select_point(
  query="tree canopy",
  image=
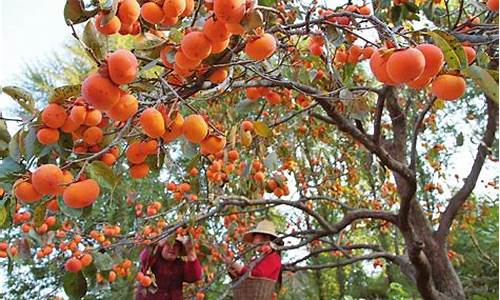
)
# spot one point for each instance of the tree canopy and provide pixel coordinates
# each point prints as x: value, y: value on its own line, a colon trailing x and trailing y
x: 360, y: 129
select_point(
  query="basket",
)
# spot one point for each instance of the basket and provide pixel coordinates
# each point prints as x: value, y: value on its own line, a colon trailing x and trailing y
x: 254, y: 289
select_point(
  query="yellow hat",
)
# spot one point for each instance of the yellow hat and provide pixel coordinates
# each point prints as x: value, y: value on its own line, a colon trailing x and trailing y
x: 264, y: 227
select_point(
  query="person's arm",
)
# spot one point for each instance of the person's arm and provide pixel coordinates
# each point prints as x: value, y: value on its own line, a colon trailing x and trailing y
x: 233, y: 268
x: 192, y: 267
x: 192, y: 271
x: 145, y: 257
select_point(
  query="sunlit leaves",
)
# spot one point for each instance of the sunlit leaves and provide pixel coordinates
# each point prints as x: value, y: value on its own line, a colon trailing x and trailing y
x: 484, y: 80
x: 453, y: 51
x: 22, y: 97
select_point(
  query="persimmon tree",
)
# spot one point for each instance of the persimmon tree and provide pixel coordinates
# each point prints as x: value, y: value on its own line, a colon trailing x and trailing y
x: 206, y: 116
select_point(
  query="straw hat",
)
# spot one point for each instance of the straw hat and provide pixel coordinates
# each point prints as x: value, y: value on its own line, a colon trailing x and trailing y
x: 264, y: 227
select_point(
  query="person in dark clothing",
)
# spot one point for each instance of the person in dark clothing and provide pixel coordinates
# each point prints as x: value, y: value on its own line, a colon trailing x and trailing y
x: 170, y: 270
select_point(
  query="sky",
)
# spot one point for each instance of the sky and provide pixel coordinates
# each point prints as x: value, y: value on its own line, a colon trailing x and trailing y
x: 30, y: 30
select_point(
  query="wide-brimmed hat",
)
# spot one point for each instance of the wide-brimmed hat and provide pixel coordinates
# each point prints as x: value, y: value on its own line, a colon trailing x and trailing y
x: 264, y: 227
x: 180, y: 240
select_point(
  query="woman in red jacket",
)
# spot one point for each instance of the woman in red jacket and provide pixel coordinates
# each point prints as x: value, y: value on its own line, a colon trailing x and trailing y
x: 267, y: 267
x: 169, y: 269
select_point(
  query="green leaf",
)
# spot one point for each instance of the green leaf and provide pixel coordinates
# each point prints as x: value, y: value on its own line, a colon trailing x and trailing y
x: 73, y: 12
x: 16, y: 146
x: 112, y: 7
x: 247, y: 106
x: 484, y: 80
x: 145, y: 41
x: 31, y: 143
x: 103, y: 261
x: 396, y: 13
x: 22, y: 97
x: 267, y: 2
x: 412, y: 7
x: 75, y: 285
x: 193, y: 162
x: 104, y: 175
x: 452, y: 49
x: 175, y: 35
x: 59, y: 94
x: 151, y: 64
x: 39, y: 214
x: 68, y: 211
x: 8, y: 166
x: 4, y: 136
x: 94, y: 40
x: 262, y: 129
x: 252, y: 19
x: 460, y: 139
x: 89, y: 272
x: 3, y: 216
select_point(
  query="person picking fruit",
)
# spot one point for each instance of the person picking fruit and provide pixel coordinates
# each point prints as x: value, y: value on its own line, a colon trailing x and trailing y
x: 165, y: 264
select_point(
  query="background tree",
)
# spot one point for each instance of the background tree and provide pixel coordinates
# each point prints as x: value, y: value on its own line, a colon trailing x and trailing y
x: 227, y: 112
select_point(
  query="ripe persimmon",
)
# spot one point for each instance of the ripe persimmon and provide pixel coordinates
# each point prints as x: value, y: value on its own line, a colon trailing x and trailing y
x: 47, y: 178
x: 405, y: 65
x: 112, y: 27
x: 470, y: 53
x: 189, y: 8
x: 54, y: 116
x: 86, y: 258
x: 149, y: 147
x: 173, y: 127
x: 101, y: 92
x: 378, y: 62
x: 134, y: 153
x: 93, y: 117
x: 93, y: 135
x: 69, y: 126
x: 129, y: 11
x: 73, y: 265
x: 218, y: 47
x: 261, y: 47
x: 47, y: 136
x: 122, y: 66
x: 492, y: 5
x: 213, y: 144
x: 108, y: 158
x: 434, y: 59
x: 229, y: 11
x: 25, y: 192
x: 235, y: 28
x: 448, y: 87
x: 195, y: 128
x: 218, y: 76
x: 152, y: 13
x: 184, y: 62
x: 215, y: 30
x: 173, y: 8
x: 81, y: 194
x: 125, y: 108
x: 169, y: 21
x: 196, y: 46
x: 78, y: 114
x: 139, y: 171
x: 152, y: 122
